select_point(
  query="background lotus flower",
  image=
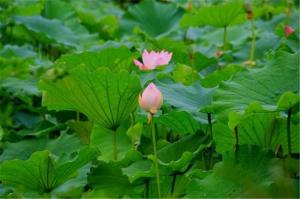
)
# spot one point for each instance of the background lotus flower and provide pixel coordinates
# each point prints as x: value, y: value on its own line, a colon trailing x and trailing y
x: 153, y: 59
x: 288, y: 30
x: 151, y: 99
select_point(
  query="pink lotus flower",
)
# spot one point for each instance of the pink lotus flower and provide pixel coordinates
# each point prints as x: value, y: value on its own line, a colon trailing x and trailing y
x: 153, y: 59
x: 288, y: 30
x: 151, y: 99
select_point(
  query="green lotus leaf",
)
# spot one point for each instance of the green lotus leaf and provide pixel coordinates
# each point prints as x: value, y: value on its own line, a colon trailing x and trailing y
x: 115, y: 58
x: 24, y: 148
x: 177, y: 156
x: 189, y: 98
x: 58, y: 32
x: 99, y: 16
x: 215, y: 78
x: 160, y: 18
x: 82, y: 128
x: 264, y: 129
x: 264, y: 85
x: 108, y: 181
x: 288, y: 100
x: 247, y: 173
x: 180, y: 52
x: 174, y: 186
x: 238, y: 36
x: 103, y: 96
x: 64, y: 12
x: 41, y: 173
x: 185, y: 74
x: 223, y: 137
x: 139, y: 169
x: 102, y: 138
x: 220, y: 15
x: 25, y: 51
x: 58, y: 10
x: 20, y: 87
x: 134, y: 133
x: 203, y: 61
x: 173, y: 157
x: 180, y: 122
x: 73, y: 187
x: 257, y: 127
x: 27, y: 8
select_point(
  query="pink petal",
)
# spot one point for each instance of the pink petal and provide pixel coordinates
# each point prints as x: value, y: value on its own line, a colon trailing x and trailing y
x: 149, y: 59
x: 163, y: 58
x: 139, y: 64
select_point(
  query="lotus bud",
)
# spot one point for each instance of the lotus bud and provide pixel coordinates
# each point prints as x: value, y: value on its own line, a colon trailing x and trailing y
x: 288, y: 30
x: 249, y: 11
x: 219, y: 53
x: 151, y: 99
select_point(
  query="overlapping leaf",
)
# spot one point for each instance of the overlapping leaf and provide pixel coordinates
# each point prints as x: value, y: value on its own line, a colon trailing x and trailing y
x: 221, y: 15
x: 24, y: 148
x: 108, y: 181
x: 189, y: 98
x: 180, y: 122
x: 102, y: 138
x: 249, y: 173
x: 115, y: 58
x: 264, y: 85
x: 257, y: 127
x: 152, y: 17
x: 58, y: 32
x: 41, y: 173
x: 177, y: 156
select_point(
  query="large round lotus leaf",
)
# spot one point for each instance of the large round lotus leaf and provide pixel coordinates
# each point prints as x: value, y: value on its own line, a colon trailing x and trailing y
x: 189, y: 98
x: 152, y: 17
x: 41, y: 173
x: 105, y: 97
x: 218, y: 15
x: 111, y: 57
x: 264, y: 85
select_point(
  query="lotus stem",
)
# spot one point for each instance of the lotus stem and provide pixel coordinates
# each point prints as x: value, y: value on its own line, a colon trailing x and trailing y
x: 209, y: 124
x: 224, y: 37
x: 77, y: 116
x: 252, y: 51
x: 173, y: 184
x: 115, y: 150
x: 236, y: 135
x: 155, y: 160
x: 147, y: 188
x: 288, y: 130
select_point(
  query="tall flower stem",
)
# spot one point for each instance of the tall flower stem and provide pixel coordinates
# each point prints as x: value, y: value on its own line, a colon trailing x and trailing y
x: 252, y: 51
x: 77, y: 116
x: 209, y: 125
x: 115, y: 150
x: 151, y: 123
x: 288, y: 128
x: 173, y: 184
x: 236, y: 136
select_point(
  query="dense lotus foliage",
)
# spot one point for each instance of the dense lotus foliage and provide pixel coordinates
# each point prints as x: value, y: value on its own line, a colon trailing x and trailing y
x: 149, y: 99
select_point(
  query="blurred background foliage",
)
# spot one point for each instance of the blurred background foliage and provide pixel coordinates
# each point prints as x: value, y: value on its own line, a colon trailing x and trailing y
x: 54, y: 144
